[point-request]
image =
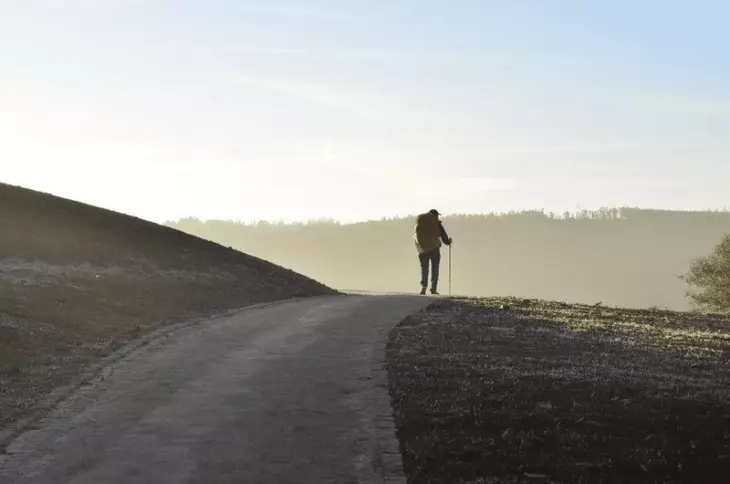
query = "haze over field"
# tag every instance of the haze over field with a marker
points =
(624, 257)
(354, 110)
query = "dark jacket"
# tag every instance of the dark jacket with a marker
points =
(444, 236)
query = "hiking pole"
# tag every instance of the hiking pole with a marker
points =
(450, 267)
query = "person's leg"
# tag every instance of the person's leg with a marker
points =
(424, 259)
(435, 265)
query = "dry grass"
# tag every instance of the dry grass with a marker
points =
(509, 390)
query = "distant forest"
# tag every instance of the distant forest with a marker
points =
(623, 256)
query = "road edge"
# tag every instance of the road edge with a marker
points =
(96, 370)
(388, 460)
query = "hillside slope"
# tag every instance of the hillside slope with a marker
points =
(77, 282)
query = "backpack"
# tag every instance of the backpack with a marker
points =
(427, 232)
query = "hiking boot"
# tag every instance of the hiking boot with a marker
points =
(423, 290)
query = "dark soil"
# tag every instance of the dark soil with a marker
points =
(492, 391)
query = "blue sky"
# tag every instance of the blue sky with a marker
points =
(361, 109)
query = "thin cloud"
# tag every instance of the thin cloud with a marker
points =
(702, 107)
(596, 183)
(462, 185)
(87, 4)
(364, 103)
(358, 102)
(301, 12)
(577, 148)
(283, 51)
(657, 101)
(346, 54)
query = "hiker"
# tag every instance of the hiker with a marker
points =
(429, 234)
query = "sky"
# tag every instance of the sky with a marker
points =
(355, 109)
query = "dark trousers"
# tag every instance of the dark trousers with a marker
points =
(434, 257)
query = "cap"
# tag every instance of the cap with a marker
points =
(434, 211)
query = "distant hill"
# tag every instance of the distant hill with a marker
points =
(623, 256)
(77, 281)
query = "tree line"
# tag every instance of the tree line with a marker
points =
(618, 256)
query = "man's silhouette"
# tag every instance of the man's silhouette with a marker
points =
(429, 235)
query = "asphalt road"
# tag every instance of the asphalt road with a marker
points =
(292, 392)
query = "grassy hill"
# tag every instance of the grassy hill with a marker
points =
(77, 282)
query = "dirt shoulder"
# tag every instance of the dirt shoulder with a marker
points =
(505, 390)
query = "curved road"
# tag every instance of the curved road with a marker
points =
(291, 392)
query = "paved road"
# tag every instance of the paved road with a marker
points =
(292, 392)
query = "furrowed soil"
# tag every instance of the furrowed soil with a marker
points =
(78, 282)
(518, 391)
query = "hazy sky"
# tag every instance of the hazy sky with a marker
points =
(355, 109)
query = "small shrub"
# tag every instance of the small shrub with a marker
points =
(711, 276)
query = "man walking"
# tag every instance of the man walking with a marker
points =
(429, 234)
